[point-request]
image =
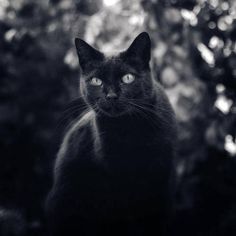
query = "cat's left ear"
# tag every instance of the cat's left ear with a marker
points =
(87, 54)
(140, 48)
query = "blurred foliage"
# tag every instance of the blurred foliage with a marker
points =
(194, 57)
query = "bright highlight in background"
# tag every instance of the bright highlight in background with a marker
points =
(110, 3)
(230, 145)
(223, 104)
(206, 54)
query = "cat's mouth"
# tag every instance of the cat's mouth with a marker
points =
(112, 109)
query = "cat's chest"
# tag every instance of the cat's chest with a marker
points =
(129, 153)
(128, 142)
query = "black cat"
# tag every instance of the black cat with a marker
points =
(114, 173)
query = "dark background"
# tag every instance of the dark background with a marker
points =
(194, 57)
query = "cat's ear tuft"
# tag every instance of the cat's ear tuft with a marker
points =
(86, 53)
(140, 48)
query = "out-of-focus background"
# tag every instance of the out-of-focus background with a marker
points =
(194, 58)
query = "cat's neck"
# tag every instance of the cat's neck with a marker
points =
(136, 126)
(107, 123)
(140, 119)
(126, 136)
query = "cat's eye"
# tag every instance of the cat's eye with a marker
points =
(95, 81)
(128, 78)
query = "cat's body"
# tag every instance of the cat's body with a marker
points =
(114, 172)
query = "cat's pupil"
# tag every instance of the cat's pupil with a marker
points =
(128, 78)
(96, 82)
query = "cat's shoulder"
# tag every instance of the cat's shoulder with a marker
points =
(76, 134)
(78, 128)
(164, 109)
(162, 98)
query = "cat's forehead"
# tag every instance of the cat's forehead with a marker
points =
(113, 64)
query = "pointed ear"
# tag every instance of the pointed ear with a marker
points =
(140, 48)
(87, 54)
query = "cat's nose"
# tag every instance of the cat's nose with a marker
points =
(111, 95)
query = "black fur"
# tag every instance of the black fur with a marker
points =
(114, 173)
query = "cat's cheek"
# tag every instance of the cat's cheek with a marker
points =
(93, 99)
(132, 92)
(94, 90)
(137, 91)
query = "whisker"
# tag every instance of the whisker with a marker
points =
(144, 109)
(144, 114)
(69, 117)
(141, 101)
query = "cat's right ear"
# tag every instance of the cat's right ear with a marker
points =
(139, 49)
(87, 54)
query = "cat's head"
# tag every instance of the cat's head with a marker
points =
(116, 85)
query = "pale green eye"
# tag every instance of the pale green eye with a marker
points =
(95, 81)
(128, 78)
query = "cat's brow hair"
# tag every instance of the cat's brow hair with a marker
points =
(88, 117)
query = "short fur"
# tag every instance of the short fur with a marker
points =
(114, 172)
